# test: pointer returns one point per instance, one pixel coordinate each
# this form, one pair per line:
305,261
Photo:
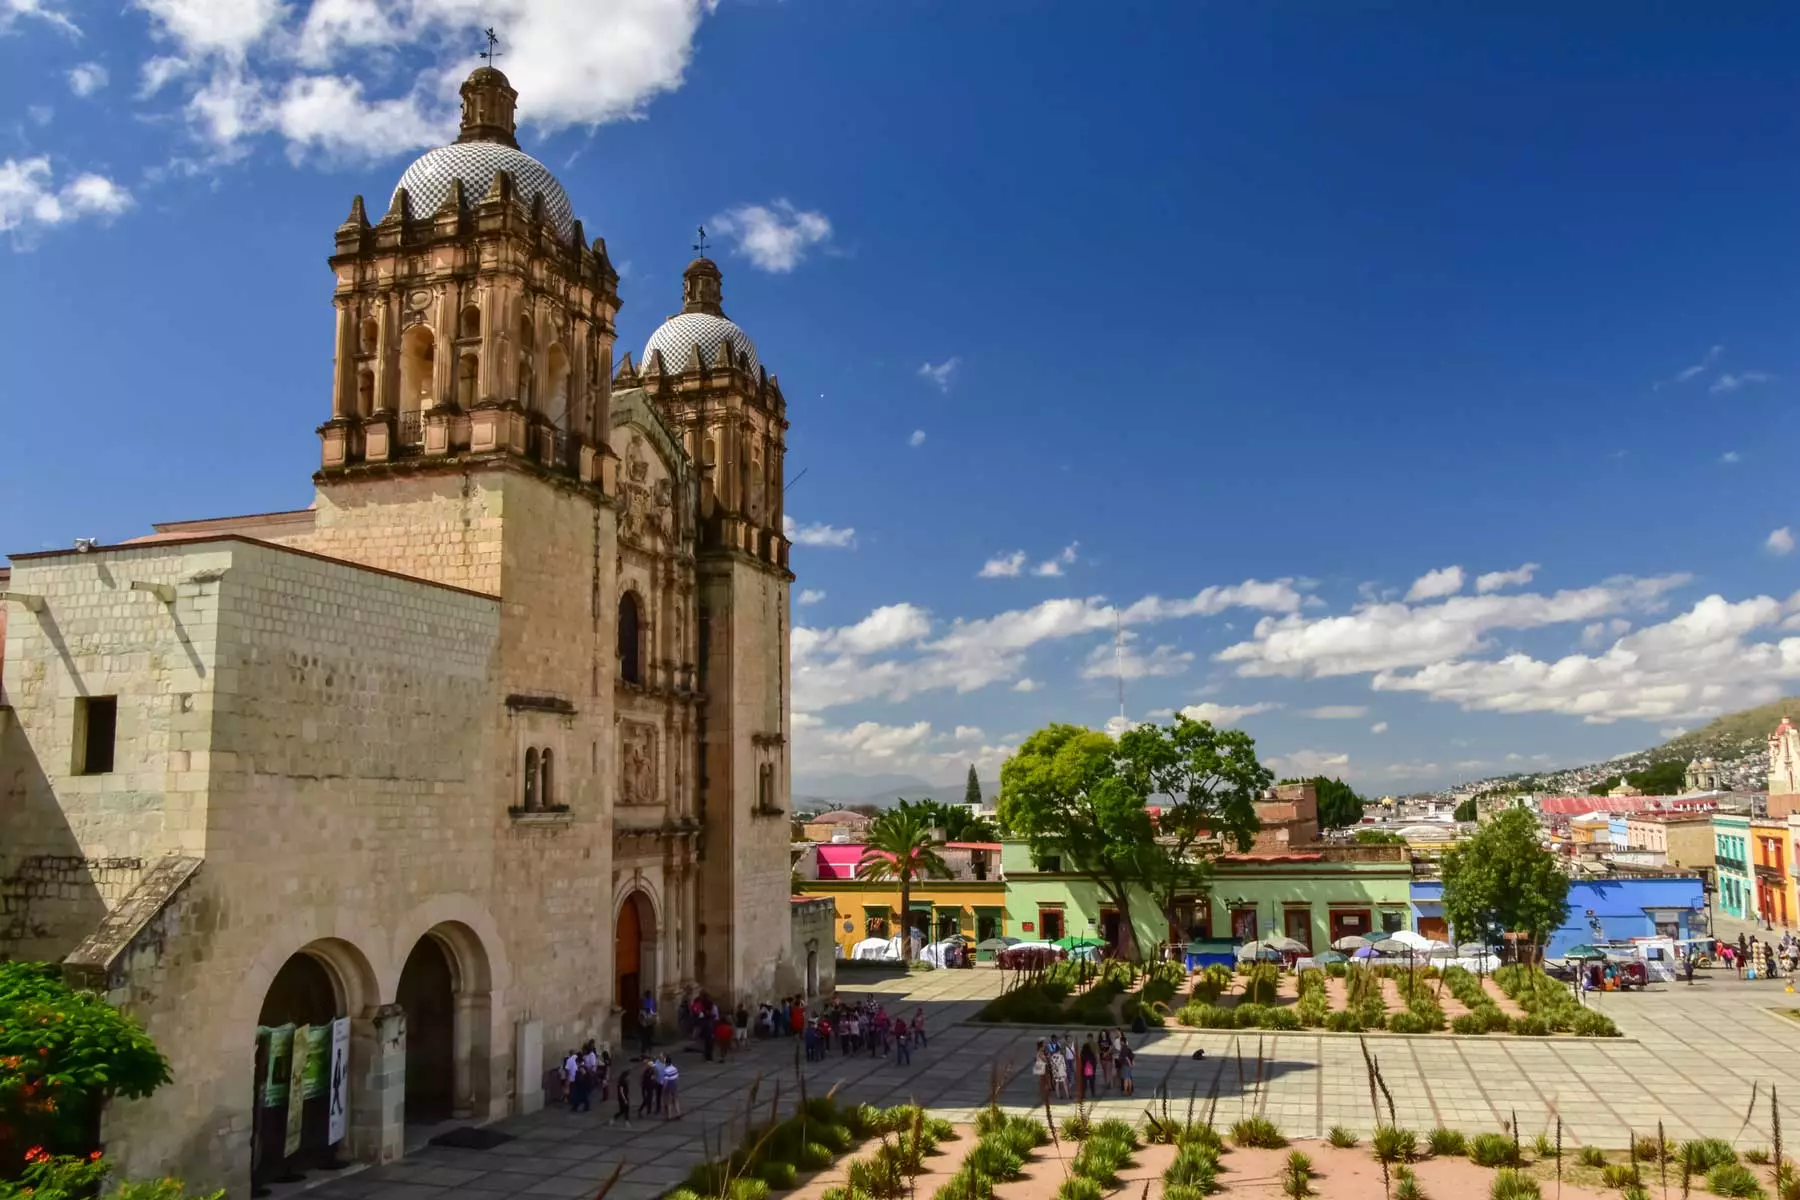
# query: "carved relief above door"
637,764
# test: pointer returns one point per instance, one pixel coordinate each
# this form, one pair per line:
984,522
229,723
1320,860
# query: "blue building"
1600,910
1731,857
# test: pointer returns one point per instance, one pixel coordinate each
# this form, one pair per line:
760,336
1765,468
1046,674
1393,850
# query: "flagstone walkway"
1689,1059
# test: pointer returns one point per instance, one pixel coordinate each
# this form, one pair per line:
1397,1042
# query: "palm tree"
899,846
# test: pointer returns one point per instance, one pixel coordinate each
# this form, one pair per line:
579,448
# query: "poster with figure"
275,1081
296,1095
340,1082
318,1060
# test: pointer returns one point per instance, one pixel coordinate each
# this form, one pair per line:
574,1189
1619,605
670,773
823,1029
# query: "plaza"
1689,1058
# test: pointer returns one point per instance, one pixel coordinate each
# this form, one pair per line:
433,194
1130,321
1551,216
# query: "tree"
1078,795
972,790
1467,811
1377,837
899,847
1503,880
957,822
63,1054
1339,805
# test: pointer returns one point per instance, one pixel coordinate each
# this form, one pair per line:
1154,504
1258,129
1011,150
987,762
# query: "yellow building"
867,908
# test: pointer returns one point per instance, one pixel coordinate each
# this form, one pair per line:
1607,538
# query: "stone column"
528,1066
385,383
378,1085
469,1038
443,362
343,375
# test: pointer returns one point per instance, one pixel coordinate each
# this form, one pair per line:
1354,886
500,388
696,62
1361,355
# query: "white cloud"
29,197
1434,585
1002,566
975,653
1336,712
1730,458
1600,632
1671,731
1054,566
40,114
1689,372
1494,581
1027,685
1728,382
916,748
774,237
917,438
158,72
1780,542
1225,714
886,628
87,78
1304,764
1379,727
939,375
810,596
1696,665
829,537
47,11
1107,662
1386,636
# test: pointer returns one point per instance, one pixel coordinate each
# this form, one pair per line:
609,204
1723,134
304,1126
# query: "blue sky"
1251,321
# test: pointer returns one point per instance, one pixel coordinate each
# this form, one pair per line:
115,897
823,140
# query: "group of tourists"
590,1070
1068,1071
865,1028
1766,961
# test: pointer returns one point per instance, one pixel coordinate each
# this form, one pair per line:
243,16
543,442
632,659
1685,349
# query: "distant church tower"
1784,769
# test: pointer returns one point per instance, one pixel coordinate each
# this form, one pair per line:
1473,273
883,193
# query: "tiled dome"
427,181
678,335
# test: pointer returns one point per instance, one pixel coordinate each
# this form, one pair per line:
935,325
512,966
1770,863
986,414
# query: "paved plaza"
1689,1058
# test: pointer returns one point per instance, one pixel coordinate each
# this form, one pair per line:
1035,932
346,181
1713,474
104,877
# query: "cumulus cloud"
1379,727
1336,712
48,11
1055,566
1388,636
31,199
915,748
1728,382
1434,585
87,78
1780,542
917,439
1494,581
1128,662
939,375
1304,764
828,537
1225,714
1027,684
775,237
1693,370
1730,458
810,596
1003,566
280,63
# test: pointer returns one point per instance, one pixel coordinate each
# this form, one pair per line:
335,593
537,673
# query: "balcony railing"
410,429
1735,865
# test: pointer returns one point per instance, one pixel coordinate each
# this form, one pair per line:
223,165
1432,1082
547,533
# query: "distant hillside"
1732,736
848,792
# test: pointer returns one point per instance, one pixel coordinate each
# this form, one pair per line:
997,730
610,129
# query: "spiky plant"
1341,1137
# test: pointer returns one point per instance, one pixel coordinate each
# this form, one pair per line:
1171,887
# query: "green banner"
275,1071
297,1088
318,1061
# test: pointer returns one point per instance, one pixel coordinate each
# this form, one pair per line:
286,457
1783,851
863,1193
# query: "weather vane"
700,246
493,44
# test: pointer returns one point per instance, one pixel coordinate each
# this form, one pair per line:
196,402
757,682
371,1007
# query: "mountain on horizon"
883,791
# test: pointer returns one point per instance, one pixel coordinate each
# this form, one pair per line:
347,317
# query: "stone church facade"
475,750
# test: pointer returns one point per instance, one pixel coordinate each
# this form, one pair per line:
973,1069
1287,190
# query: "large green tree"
957,822
1082,797
900,847
1504,880
972,789
1468,810
1339,805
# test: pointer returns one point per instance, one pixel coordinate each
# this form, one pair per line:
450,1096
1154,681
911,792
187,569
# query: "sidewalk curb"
1324,1033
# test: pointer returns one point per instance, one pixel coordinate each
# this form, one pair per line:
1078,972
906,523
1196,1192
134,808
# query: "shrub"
1313,1010
1408,1022
1261,986
1343,1022
877,1175
1248,1014
1493,1150
815,1156
1194,1167
780,1176
1730,1179
1099,1159
837,1137
1512,1184
1077,1187
1636,1191
1337,970
1201,1135
1468,1023
1032,1004
1118,1130
1406,1185
1588,1023
1312,980
1182,1191
1211,983
752,1189
1619,1175
996,1161
1257,1133
1296,1175
1543,1147
1279,1018
1529,1026
1447,1143
1342,1138
1755,1156
1704,1154
1648,1149
1077,1125
1207,1016
1394,1145
1591,1156
1371,1010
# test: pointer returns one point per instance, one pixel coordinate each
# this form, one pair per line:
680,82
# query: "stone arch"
556,385
418,355
468,322
480,974
446,992
637,926
631,637
468,377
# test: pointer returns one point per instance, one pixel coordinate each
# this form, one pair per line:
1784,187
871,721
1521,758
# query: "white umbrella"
1287,945
1393,946
1350,943
1410,939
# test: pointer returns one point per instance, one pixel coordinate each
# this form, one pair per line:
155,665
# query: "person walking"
918,1026
902,1046
1090,1065
646,1023
1123,1054
581,1090
1040,1068
671,1079
624,1090
743,1023
1059,1073
649,1088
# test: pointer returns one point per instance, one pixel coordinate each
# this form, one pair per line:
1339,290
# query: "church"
370,810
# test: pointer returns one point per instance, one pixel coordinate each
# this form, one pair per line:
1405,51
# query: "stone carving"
637,763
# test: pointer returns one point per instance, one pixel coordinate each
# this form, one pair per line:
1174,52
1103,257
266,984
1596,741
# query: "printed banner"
340,1082
318,1060
275,1078
296,1096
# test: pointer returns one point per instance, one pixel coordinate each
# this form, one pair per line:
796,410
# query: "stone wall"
812,971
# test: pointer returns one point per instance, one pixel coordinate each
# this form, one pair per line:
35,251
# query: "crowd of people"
591,1070
1066,1070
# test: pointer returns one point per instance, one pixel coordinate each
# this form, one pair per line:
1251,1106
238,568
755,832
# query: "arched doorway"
311,993
427,993
812,971
634,957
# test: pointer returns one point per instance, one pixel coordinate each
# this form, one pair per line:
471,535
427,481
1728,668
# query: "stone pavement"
1689,1058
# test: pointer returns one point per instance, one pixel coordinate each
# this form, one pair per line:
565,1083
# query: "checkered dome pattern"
427,181
680,333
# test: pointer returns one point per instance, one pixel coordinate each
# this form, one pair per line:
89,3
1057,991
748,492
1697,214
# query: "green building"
1313,894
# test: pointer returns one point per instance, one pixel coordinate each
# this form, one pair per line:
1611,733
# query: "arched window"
631,667
546,784
531,779
418,352
469,323
556,385
370,336
468,367
765,788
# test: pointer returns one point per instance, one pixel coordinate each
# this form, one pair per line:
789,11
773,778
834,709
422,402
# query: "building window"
631,667
531,780
546,788
1393,922
96,731
1050,924
1051,863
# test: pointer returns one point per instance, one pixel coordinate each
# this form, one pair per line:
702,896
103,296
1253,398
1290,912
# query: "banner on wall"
318,1060
296,1096
340,1083
275,1075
